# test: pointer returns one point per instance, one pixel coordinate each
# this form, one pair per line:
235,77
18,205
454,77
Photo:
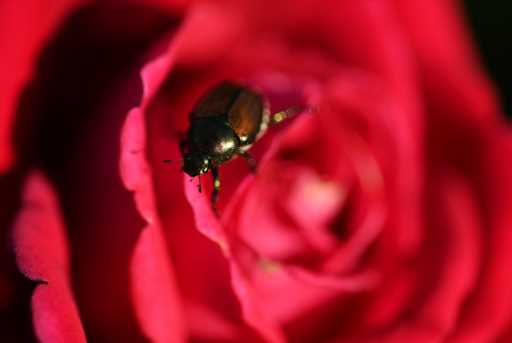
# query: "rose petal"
209,325
251,310
461,261
69,123
451,70
208,283
155,291
12,282
272,293
24,28
453,260
489,307
42,255
153,282
208,224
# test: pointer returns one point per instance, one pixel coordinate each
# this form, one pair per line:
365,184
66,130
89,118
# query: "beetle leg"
216,187
199,184
251,161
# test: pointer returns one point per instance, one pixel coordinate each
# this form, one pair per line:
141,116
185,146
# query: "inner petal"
313,202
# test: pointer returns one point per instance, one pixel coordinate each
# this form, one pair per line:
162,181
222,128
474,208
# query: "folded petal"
489,307
70,123
154,287
197,265
42,254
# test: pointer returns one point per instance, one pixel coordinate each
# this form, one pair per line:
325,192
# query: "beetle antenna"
289,112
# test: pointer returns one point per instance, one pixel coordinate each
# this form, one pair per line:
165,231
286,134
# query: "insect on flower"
224,124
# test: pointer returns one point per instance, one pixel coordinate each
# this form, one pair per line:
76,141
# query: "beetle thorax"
214,138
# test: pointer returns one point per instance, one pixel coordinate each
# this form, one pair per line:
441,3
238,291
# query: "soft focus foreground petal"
15,288
25,26
488,310
155,291
210,307
368,36
42,255
450,69
209,225
70,123
451,260
270,294
463,109
152,276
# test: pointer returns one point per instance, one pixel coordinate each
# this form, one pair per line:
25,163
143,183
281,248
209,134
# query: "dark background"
491,23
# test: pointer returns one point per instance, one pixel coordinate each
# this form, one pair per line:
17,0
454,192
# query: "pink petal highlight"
42,255
156,296
209,225
273,294
25,27
207,222
183,241
134,170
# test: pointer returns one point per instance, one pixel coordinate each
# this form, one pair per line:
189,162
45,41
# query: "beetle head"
196,164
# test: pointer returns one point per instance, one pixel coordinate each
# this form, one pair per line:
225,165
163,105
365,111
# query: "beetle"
223,124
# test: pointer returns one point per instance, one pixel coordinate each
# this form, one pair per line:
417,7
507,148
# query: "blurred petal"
156,295
450,69
489,308
451,260
200,269
209,225
207,222
153,282
25,26
69,122
42,255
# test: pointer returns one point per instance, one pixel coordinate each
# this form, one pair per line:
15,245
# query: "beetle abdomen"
217,101
242,108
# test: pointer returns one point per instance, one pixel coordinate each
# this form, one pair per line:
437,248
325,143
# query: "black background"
491,23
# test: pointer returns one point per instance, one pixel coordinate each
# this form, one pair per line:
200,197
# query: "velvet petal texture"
25,26
154,288
41,247
176,306
445,55
374,100
69,124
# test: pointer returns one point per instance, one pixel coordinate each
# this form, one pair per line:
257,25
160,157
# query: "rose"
380,216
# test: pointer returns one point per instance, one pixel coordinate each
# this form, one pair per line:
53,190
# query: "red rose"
382,214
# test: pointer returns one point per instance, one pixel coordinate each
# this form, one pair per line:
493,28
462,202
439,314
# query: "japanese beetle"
224,123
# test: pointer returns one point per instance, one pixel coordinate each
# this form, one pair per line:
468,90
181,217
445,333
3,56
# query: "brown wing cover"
217,101
245,115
